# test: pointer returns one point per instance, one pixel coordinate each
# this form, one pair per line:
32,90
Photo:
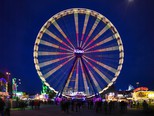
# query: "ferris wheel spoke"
93,79
77,76
59,80
56,38
42,53
109,49
113,70
84,78
62,48
76,27
43,64
84,27
99,72
56,68
99,34
101,43
91,31
43,42
61,31
70,75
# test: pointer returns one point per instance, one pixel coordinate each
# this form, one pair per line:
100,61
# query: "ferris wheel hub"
78,52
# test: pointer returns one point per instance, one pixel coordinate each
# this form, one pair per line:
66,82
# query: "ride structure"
78,50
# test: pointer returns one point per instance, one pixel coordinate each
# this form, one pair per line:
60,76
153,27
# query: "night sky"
21,20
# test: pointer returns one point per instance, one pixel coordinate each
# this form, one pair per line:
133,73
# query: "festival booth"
78,95
140,94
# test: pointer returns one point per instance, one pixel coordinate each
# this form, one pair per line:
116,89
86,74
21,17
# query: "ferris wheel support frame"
89,78
59,94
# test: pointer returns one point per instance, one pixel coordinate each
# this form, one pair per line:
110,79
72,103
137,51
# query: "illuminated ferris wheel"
78,50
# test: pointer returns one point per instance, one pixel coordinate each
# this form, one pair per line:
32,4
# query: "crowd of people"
35,104
5,106
77,105
107,107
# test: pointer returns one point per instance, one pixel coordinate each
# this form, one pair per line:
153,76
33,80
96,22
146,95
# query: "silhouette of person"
2,104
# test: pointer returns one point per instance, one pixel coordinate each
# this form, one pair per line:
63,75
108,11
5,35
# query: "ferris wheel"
78,50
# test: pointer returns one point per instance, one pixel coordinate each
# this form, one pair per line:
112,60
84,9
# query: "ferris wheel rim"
72,11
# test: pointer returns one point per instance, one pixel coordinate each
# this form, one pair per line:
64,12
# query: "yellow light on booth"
151,95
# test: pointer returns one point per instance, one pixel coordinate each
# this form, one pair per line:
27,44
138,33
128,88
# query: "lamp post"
9,84
18,82
15,84
137,84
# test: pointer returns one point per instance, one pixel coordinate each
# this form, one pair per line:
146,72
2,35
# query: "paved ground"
53,110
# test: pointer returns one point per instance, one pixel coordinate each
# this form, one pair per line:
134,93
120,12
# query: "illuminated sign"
151,95
140,95
78,51
141,89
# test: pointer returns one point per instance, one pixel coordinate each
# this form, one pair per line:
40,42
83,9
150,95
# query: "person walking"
7,107
2,104
105,106
145,106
